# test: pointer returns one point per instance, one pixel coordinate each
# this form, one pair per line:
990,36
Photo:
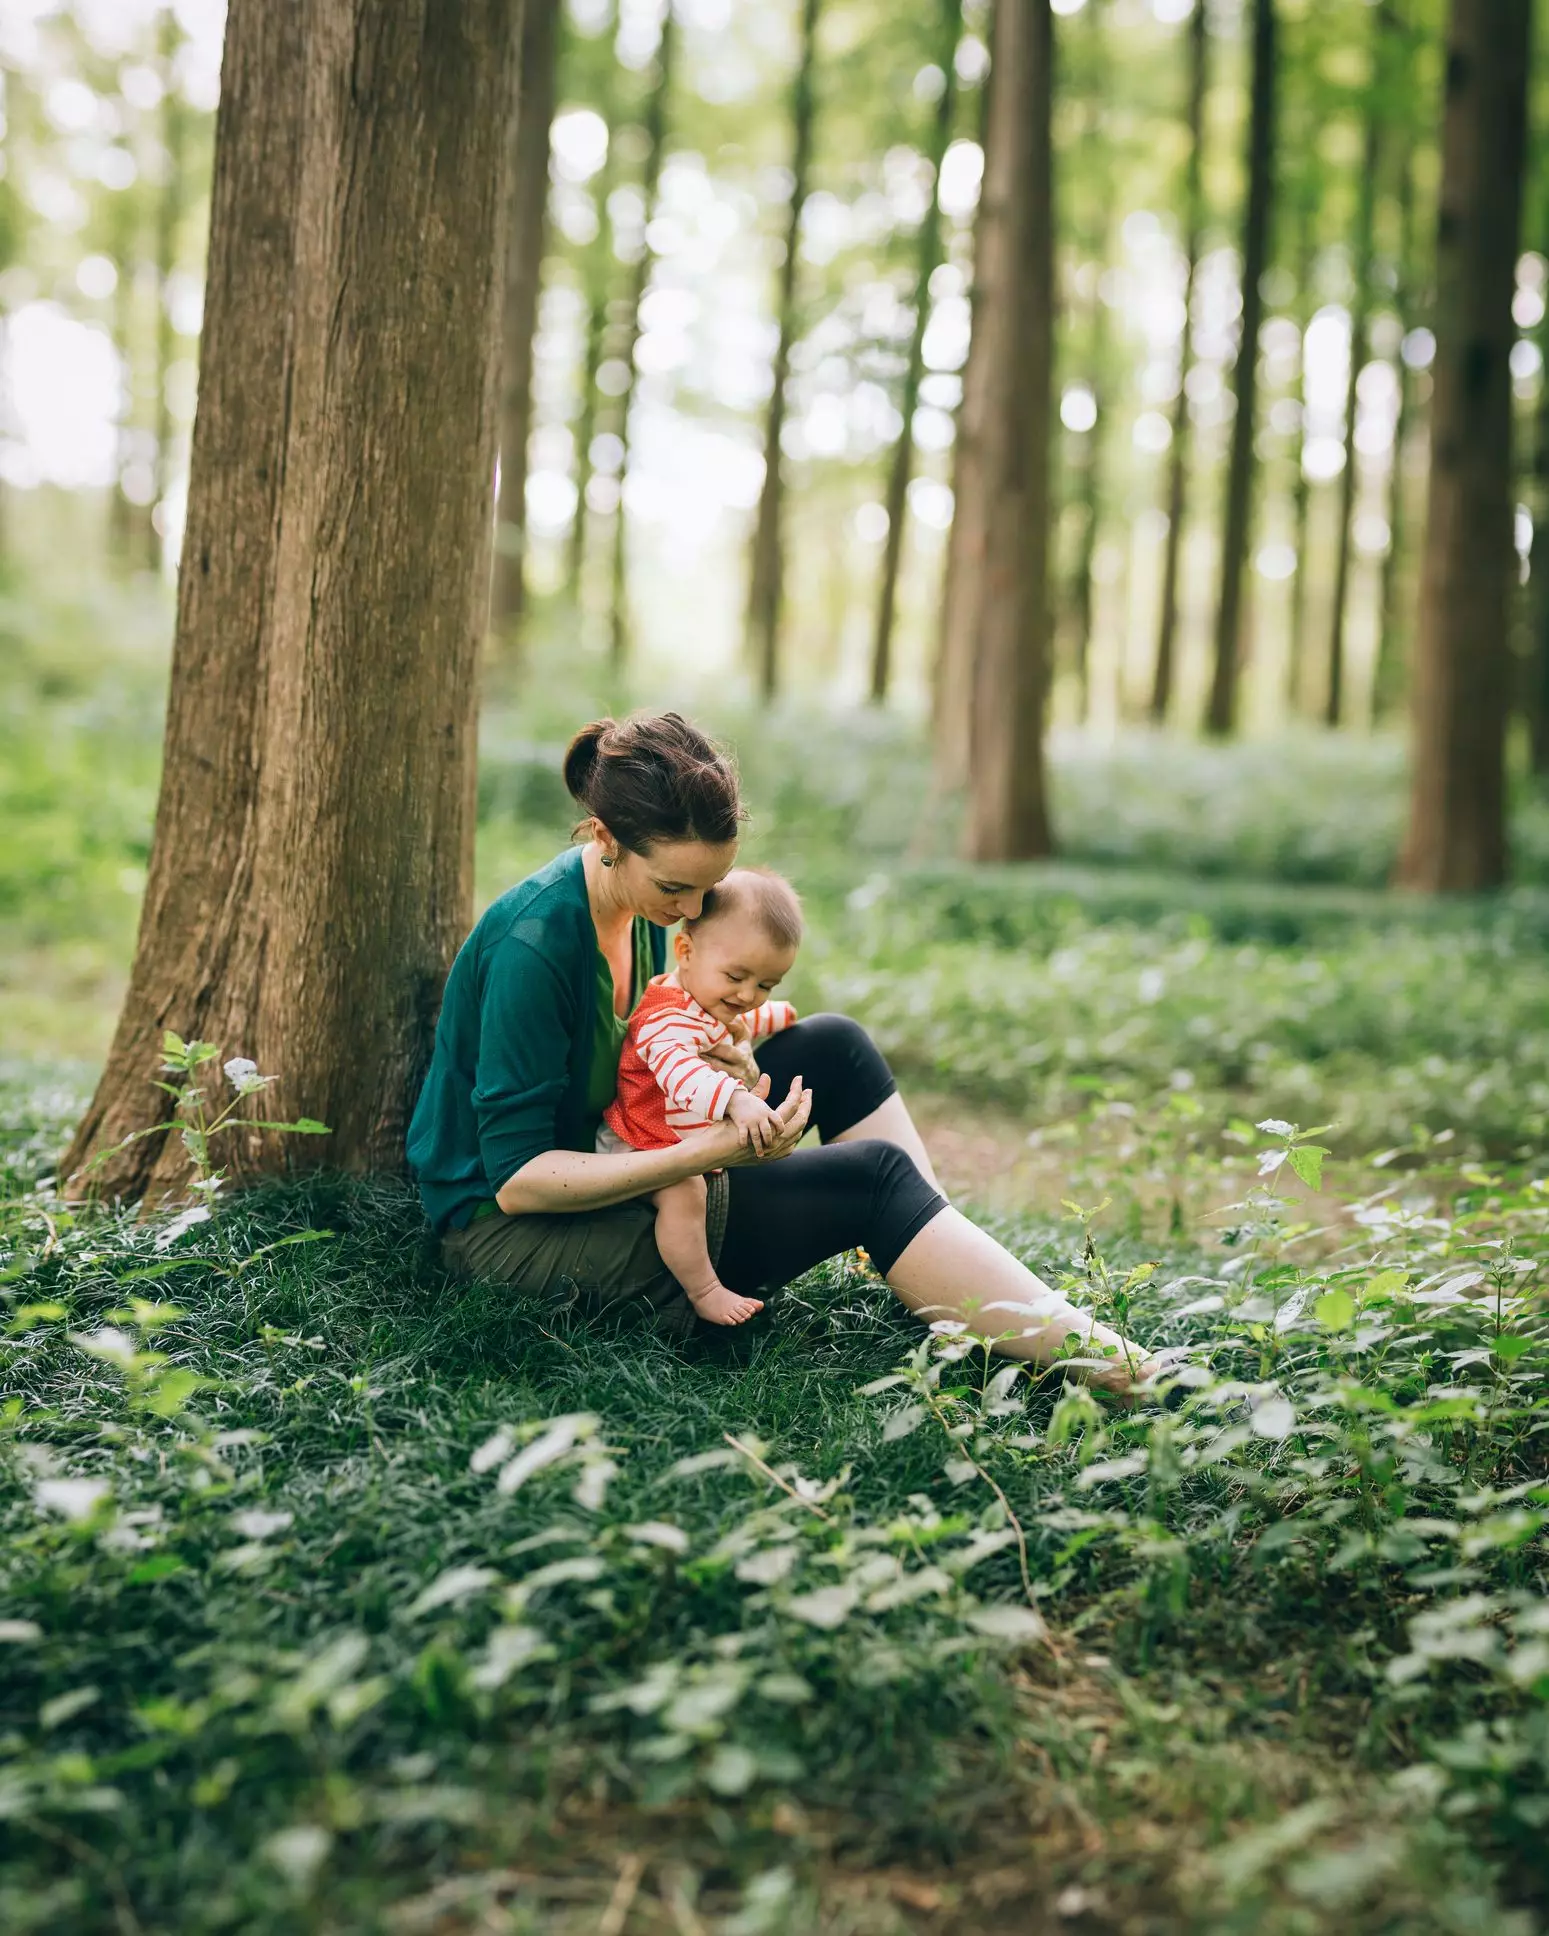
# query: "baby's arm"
669,1047
768,1019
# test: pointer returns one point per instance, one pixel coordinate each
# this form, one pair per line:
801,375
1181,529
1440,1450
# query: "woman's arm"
568,1180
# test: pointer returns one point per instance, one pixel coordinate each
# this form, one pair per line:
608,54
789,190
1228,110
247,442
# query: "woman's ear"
605,840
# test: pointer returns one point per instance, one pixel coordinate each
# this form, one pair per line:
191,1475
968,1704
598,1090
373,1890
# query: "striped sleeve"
669,1045
768,1019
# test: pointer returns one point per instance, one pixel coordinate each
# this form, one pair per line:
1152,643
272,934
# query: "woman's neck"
610,914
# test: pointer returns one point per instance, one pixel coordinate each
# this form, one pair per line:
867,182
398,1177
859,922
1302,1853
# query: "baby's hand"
754,1118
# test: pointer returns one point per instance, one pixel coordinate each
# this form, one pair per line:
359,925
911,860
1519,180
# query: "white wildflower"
242,1073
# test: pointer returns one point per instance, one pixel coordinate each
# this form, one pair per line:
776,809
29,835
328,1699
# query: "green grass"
229,1707
1296,1668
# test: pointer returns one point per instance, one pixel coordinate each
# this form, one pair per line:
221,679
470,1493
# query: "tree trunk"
1457,816
1000,612
311,868
765,579
1221,717
1301,486
598,279
524,271
1538,586
1178,450
1366,210
128,539
169,221
1387,679
927,259
656,139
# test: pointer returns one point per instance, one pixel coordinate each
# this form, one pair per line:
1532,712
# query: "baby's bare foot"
717,1305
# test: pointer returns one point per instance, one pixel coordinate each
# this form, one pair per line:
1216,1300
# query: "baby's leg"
680,1237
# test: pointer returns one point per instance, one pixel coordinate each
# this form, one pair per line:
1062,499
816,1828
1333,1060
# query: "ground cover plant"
337,1596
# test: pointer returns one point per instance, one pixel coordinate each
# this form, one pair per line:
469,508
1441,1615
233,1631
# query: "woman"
526,1054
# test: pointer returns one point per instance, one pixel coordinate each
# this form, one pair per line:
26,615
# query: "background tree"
640,281
1360,319
335,577
1456,836
928,260
524,268
1221,715
1178,450
996,635
1394,620
764,589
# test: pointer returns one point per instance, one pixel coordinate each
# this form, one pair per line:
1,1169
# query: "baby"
729,962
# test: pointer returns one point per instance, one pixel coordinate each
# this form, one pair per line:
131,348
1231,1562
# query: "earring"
608,860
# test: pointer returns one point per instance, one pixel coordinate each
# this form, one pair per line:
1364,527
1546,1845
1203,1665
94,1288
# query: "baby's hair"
767,898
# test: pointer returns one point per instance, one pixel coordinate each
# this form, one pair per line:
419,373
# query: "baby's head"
742,944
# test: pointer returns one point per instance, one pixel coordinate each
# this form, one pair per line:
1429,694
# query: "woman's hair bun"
581,757
653,778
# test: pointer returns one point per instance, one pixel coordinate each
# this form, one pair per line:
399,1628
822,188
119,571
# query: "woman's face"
670,882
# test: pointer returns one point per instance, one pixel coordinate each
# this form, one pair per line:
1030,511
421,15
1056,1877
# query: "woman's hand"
783,1129
734,1056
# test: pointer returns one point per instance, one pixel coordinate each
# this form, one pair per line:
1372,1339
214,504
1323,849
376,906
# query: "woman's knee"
901,1199
847,1073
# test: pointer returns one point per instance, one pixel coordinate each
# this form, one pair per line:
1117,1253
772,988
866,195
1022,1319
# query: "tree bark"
998,629
927,260
311,869
524,272
1360,309
1178,450
766,577
1221,716
1457,814
640,281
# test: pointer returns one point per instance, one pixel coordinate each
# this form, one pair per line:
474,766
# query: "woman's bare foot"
717,1305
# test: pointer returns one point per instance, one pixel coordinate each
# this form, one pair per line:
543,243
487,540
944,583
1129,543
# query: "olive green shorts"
597,1259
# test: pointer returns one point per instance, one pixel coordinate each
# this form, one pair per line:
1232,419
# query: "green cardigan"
513,1056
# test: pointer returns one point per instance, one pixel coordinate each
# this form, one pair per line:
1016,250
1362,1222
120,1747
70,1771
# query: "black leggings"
785,1217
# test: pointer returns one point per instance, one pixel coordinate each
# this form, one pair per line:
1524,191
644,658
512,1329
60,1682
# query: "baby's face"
731,965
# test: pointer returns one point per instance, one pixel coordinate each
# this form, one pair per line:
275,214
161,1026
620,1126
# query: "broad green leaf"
1335,1310
1307,1161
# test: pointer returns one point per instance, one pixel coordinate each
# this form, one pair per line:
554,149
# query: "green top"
526,1055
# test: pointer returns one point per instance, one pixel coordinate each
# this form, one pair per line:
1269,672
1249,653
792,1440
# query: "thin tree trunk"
1091,510
927,260
311,868
952,674
1001,592
1457,819
1538,585
1360,307
1301,487
598,278
1387,678
1221,717
128,544
1178,451
767,574
169,221
640,281
524,271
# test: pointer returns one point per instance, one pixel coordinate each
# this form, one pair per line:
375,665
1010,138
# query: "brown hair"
654,778
768,898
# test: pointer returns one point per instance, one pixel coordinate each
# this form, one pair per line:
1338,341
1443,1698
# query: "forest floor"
337,1597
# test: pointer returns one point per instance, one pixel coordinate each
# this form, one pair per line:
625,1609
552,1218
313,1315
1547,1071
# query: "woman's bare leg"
891,1122
954,1270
